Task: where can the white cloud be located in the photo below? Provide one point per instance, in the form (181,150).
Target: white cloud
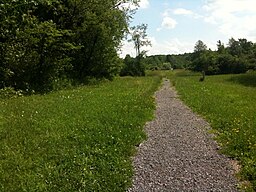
(231,6)
(166,13)
(159,29)
(181,11)
(127,48)
(171,46)
(233,18)
(144,4)
(169,23)
(186,12)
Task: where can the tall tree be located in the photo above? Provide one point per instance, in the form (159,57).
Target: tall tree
(220,47)
(200,57)
(139,37)
(234,48)
(200,46)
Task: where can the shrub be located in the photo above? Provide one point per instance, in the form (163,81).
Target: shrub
(9,92)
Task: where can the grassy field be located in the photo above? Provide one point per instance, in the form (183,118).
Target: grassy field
(74,140)
(228,102)
(83,139)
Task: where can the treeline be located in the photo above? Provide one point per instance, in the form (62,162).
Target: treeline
(166,62)
(43,42)
(238,56)
(137,66)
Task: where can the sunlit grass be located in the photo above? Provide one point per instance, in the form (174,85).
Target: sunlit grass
(228,102)
(74,140)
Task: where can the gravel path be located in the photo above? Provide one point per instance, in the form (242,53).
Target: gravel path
(179,154)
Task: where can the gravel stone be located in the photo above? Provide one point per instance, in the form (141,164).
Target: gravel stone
(180,154)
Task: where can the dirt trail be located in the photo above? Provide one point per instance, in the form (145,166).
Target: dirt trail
(179,154)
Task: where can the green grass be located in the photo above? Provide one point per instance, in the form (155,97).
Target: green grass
(228,102)
(74,140)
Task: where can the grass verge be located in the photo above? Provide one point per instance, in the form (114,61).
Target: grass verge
(74,140)
(228,102)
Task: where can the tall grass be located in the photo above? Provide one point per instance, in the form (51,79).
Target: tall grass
(228,102)
(74,140)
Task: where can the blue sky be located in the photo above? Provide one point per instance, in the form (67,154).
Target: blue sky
(174,26)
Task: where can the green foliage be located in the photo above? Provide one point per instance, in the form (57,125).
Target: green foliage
(229,64)
(238,57)
(228,102)
(100,35)
(240,47)
(9,92)
(166,62)
(201,61)
(133,66)
(38,58)
(154,62)
(74,140)
(180,61)
(200,47)
(41,41)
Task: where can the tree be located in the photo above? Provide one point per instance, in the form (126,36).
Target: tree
(41,41)
(229,64)
(36,48)
(139,37)
(220,47)
(200,47)
(129,68)
(240,46)
(246,46)
(199,58)
(234,47)
(233,59)
(103,27)
(242,49)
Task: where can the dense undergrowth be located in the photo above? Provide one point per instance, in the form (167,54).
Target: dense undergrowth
(79,139)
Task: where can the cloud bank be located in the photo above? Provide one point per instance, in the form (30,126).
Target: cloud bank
(233,18)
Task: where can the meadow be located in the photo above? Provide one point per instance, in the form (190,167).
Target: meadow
(228,103)
(80,139)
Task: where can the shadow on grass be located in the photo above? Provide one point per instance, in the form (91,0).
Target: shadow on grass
(248,80)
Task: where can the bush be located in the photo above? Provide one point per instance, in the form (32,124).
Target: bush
(133,67)
(9,92)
